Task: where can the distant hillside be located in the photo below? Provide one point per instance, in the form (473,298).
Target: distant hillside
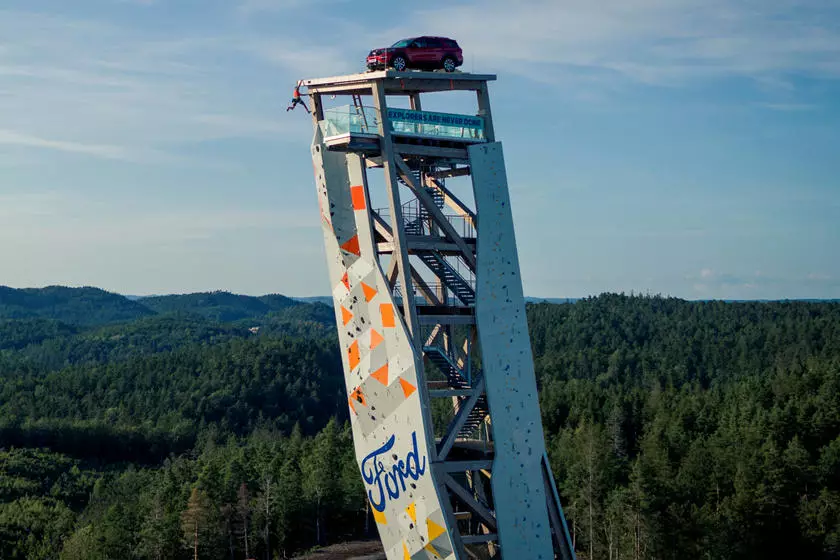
(75,306)
(549,300)
(326,300)
(219,306)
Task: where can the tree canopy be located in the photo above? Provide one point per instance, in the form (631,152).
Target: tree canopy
(675,429)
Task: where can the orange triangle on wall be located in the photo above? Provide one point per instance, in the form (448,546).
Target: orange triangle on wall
(370,293)
(346,281)
(345,315)
(381,375)
(358,396)
(407,387)
(352,246)
(375,339)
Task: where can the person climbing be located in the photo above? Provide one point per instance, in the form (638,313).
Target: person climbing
(296,98)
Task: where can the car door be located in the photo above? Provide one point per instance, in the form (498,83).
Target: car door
(434,50)
(418,52)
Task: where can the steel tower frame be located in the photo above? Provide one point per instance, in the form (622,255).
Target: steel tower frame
(431,319)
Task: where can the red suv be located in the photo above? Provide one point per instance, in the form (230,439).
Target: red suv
(427,53)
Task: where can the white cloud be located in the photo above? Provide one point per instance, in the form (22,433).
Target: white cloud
(789,107)
(108,152)
(252,7)
(249,8)
(64,220)
(104,91)
(663,42)
(24,206)
(301,60)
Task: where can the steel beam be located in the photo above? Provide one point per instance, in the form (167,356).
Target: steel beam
(460,419)
(463,466)
(401,254)
(426,243)
(459,154)
(478,508)
(480,539)
(426,320)
(442,393)
(453,202)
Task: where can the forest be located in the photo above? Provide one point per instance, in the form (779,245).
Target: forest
(147,428)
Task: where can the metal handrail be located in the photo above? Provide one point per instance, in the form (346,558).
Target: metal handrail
(412,210)
(451,299)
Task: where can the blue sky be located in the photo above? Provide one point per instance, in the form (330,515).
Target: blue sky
(683,147)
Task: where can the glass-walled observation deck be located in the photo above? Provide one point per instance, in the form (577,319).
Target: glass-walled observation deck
(351,121)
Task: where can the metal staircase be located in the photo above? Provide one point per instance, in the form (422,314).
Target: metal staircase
(414,227)
(415,178)
(475,418)
(449,276)
(436,262)
(453,373)
(437,196)
(455,378)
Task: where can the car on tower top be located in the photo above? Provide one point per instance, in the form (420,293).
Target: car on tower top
(421,53)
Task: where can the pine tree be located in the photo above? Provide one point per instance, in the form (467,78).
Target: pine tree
(320,465)
(153,528)
(243,510)
(265,502)
(195,519)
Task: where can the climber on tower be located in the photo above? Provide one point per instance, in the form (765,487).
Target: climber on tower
(296,98)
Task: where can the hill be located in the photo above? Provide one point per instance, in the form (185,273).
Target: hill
(76,306)
(219,306)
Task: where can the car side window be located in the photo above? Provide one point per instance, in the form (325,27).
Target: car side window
(433,43)
(417,44)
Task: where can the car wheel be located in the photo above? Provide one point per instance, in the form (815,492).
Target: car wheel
(449,64)
(399,63)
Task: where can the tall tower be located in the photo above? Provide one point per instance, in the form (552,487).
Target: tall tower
(431,320)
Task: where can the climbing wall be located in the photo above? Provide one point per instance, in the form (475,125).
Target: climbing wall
(390,434)
(507,361)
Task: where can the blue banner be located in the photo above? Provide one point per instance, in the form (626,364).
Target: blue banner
(443,119)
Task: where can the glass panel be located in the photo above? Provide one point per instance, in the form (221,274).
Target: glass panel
(348,118)
(351,119)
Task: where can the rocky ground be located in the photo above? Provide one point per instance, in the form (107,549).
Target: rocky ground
(361,550)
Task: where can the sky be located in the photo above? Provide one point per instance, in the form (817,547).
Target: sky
(680,147)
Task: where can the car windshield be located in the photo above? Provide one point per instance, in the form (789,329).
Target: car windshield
(399,44)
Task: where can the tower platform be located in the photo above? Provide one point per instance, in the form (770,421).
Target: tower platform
(422,133)
(398,83)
